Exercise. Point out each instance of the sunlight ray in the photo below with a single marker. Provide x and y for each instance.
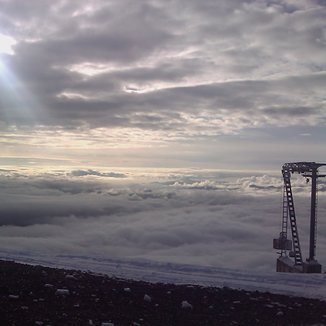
(18, 104)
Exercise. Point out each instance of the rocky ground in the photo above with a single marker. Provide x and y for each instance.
(36, 295)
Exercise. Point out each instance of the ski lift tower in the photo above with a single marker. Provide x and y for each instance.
(290, 249)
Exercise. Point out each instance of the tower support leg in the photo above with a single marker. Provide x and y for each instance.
(312, 265)
(312, 243)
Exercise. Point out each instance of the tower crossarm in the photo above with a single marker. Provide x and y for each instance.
(302, 167)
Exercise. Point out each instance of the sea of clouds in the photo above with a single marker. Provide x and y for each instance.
(205, 217)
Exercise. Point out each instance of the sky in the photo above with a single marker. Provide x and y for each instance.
(157, 129)
(183, 83)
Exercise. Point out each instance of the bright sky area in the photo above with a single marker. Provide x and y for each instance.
(208, 84)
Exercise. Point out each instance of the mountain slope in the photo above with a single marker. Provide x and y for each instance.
(37, 295)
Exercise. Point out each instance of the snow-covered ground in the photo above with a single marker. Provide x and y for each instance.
(306, 285)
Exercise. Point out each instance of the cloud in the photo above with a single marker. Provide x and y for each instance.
(200, 217)
(169, 58)
(105, 78)
(166, 84)
(79, 173)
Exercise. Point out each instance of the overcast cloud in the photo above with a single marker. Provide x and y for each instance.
(90, 91)
(162, 75)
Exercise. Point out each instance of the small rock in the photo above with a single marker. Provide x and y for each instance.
(62, 292)
(147, 298)
(107, 324)
(13, 296)
(127, 289)
(48, 285)
(186, 305)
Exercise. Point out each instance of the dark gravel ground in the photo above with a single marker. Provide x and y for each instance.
(36, 295)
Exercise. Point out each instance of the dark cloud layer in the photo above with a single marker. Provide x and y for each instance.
(173, 57)
(125, 79)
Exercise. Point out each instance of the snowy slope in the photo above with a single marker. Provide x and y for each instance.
(307, 285)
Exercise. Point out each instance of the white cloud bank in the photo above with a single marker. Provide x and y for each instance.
(208, 218)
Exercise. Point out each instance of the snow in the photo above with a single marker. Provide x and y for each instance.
(306, 285)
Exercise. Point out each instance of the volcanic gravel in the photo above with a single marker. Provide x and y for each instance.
(37, 295)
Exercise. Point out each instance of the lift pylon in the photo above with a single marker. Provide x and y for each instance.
(289, 249)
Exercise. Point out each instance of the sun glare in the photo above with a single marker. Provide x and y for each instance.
(6, 44)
